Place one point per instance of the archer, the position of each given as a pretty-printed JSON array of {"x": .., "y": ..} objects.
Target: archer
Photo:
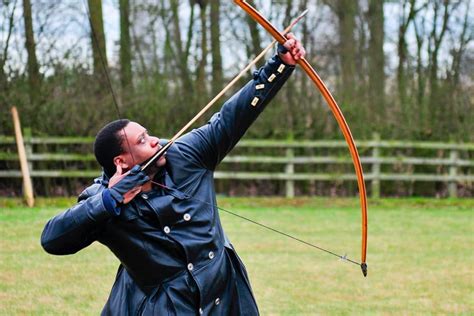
[{"x": 163, "y": 225}]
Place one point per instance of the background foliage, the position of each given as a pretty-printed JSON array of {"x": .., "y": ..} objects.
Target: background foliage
[{"x": 402, "y": 68}]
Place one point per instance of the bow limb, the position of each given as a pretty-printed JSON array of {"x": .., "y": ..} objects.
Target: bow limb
[{"x": 257, "y": 16}]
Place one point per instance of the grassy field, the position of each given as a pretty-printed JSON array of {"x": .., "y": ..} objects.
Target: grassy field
[{"x": 420, "y": 257}]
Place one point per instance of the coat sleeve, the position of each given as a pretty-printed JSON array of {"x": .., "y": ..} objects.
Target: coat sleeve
[
  {"x": 77, "y": 227},
  {"x": 208, "y": 145}
]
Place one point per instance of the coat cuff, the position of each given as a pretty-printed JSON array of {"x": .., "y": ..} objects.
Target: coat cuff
[
  {"x": 275, "y": 66},
  {"x": 95, "y": 210},
  {"x": 109, "y": 203},
  {"x": 269, "y": 79}
]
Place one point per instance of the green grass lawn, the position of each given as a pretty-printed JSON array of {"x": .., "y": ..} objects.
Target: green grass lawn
[{"x": 420, "y": 257}]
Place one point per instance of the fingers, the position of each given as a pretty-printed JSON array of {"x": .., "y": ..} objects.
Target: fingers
[
  {"x": 290, "y": 43},
  {"x": 294, "y": 47},
  {"x": 298, "y": 53},
  {"x": 118, "y": 170},
  {"x": 128, "y": 196},
  {"x": 116, "y": 177},
  {"x": 119, "y": 174},
  {"x": 136, "y": 190}
]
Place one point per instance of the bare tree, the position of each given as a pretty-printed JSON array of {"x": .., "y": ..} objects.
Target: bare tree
[
  {"x": 125, "y": 47},
  {"x": 9, "y": 17},
  {"x": 346, "y": 11},
  {"x": 420, "y": 69},
  {"x": 376, "y": 60},
  {"x": 465, "y": 37},
  {"x": 405, "y": 20},
  {"x": 202, "y": 63},
  {"x": 217, "y": 71},
  {"x": 436, "y": 38},
  {"x": 97, "y": 37},
  {"x": 34, "y": 78},
  {"x": 182, "y": 53},
  {"x": 256, "y": 47}
]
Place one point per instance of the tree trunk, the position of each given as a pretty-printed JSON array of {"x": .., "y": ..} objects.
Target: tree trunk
[
  {"x": 288, "y": 13},
  {"x": 376, "y": 61},
  {"x": 464, "y": 38},
  {"x": 437, "y": 40},
  {"x": 97, "y": 37},
  {"x": 217, "y": 72},
  {"x": 201, "y": 70},
  {"x": 421, "y": 77},
  {"x": 402, "y": 78},
  {"x": 182, "y": 54},
  {"x": 34, "y": 78},
  {"x": 256, "y": 48},
  {"x": 125, "y": 48},
  {"x": 346, "y": 11},
  {"x": 441, "y": 113},
  {"x": 4, "y": 57}
]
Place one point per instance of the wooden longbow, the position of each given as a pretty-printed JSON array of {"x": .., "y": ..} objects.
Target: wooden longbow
[{"x": 309, "y": 70}]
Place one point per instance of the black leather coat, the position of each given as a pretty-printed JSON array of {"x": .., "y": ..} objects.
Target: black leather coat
[{"x": 175, "y": 258}]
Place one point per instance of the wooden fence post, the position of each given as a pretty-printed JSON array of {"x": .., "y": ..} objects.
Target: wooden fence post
[
  {"x": 28, "y": 146},
  {"x": 453, "y": 170},
  {"x": 27, "y": 183},
  {"x": 376, "y": 167},
  {"x": 290, "y": 170}
]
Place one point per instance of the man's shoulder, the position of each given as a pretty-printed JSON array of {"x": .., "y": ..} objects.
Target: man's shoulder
[{"x": 100, "y": 183}]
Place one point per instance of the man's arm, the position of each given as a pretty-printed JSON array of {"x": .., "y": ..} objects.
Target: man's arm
[
  {"x": 77, "y": 227},
  {"x": 80, "y": 225},
  {"x": 208, "y": 145}
]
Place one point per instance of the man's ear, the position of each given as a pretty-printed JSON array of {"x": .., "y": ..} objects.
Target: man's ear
[{"x": 120, "y": 161}]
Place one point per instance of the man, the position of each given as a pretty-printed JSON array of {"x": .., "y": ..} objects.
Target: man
[{"x": 164, "y": 227}]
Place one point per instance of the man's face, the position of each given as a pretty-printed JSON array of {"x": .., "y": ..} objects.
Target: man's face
[{"x": 138, "y": 146}]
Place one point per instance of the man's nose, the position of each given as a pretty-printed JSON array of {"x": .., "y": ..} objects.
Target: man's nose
[{"x": 155, "y": 141}]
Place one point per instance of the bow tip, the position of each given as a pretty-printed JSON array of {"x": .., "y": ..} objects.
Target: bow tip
[{"x": 363, "y": 266}]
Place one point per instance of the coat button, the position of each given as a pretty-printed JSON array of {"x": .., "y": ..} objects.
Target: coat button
[
  {"x": 211, "y": 255},
  {"x": 190, "y": 266},
  {"x": 281, "y": 68},
  {"x": 166, "y": 229},
  {"x": 145, "y": 196},
  {"x": 217, "y": 301},
  {"x": 187, "y": 217},
  {"x": 255, "y": 101}
]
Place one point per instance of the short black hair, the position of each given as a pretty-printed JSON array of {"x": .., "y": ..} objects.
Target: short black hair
[{"x": 108, "y": 145}]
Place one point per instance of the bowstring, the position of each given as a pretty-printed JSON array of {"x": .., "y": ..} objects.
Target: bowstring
[{"x": 343, "y": 258}]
